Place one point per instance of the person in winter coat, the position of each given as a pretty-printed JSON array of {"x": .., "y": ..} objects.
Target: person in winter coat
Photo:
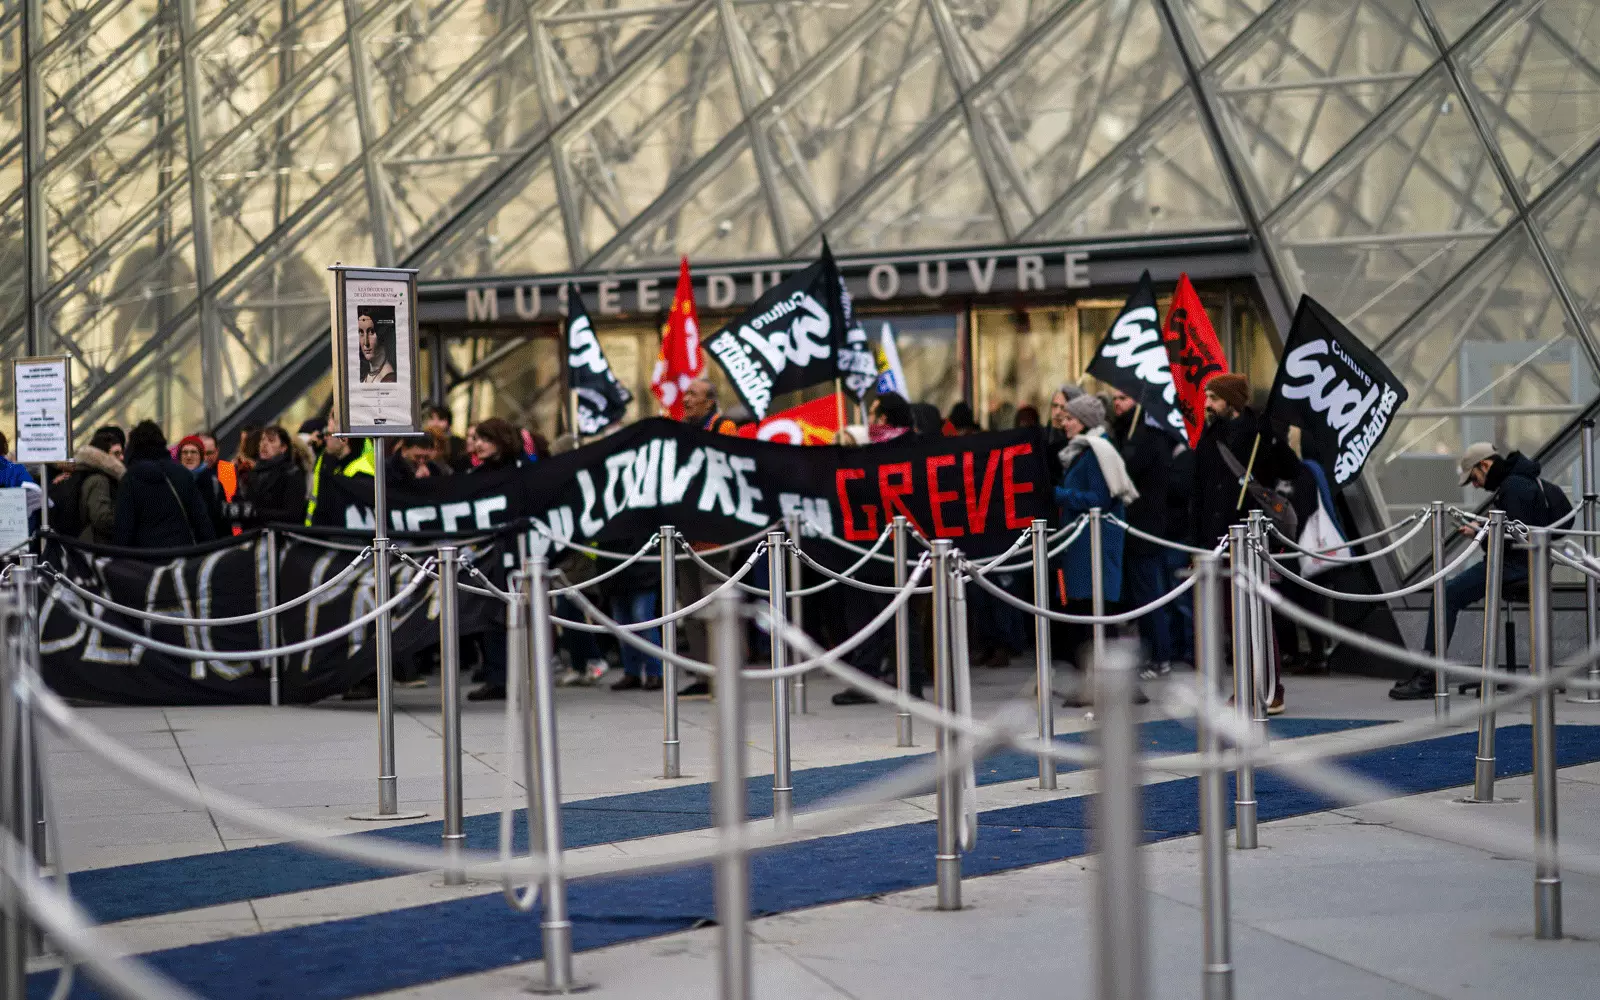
[
  {"x": 158, "y": 504},
  {"x": 496, "y": 445},
  {"x": 1147, "y": 452},
  {"x": 97, "y": 475},
  {"x": 275, "y": 487},
  {"x": 1093, "y": 476},
  {"x": 1518, "y": 490},
  {"x": 192, "y": 456}
]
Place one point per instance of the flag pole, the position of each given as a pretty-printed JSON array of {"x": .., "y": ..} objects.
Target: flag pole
[
  {"x": 1244, "y": 482},
  {"x": 838, "y": 395},
  {"x": 1138, "y": 414}
]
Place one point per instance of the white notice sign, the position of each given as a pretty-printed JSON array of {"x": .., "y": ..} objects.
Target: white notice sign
[
  {"x": 13, "y": 518},
  {"x": 44, "y": 410}
]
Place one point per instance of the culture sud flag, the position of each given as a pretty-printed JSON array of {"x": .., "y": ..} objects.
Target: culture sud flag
[
  {"x": 1133, "y": 358},
  {"x": 601, "y": 399},
  {"x": 789, "y": 339},
  {"x": 816, "y": 422},
  {"x": 680, "y": 361},
  {"x": 1332, "y": 387},
  {"x": 1193, "y": 353}
]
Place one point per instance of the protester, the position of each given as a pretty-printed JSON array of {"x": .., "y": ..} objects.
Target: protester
[
  {"x": 311, "y": 434},
  {"x": 413, "y": 460},
  {"x": 1093, "y": 476},
  {"x": 1218, "y": 499},
  {"x": 341, "y": 456},
  {"x": 83, "y": 502},
  {"x": 450, "y": 450},
  {"x": 700, "y": 408},
  {"x": 1516, "y": 487},
  {"x": 925, "y": 420},
  {"x": 158, "y": 504},
  {"x": 275, "y": 487},
  {"x": 1027, "y": 416},
  {"x": 497, "y": 445},
  {"x": 1146, "y": 450},
  {"x": 890, "y": 418},
  {"x": 960, "y": 422},
  {"x": 634, "y": 597},
  {"x": 1180, "y": 483},
  {"x": 191, "y": 455}
]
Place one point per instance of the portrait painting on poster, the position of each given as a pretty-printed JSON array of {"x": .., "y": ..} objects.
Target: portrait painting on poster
[
  {"x": 375, "y": 350},
  {"x": 43, "y": 388}
]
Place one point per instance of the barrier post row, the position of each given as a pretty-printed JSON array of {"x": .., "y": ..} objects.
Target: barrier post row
[
  {"x": 947, "y": 860},
  {"x": 14, "y": 932},
  {"x": 732, "y": 867},
  {"x": 1483, "y": 771},
  {"x": 32, "y": 835},
  {"x": 272, "y": 619},
  {"x": 794, "y": 524},
  {"x": 1546, "y": 860},
  {"x": 670, "y": 745},
  {"x": 1441, "y": 680},
  {"x": 777, "y": 603},
  {"x": 1216, "y": 976},
  {"x": 902, "y": 635},
  {"x": 1260, "y": 625},
  {"x": 555, "y": 928},
  {"x": 450, "y": 711},
  {"x": 1097, "y": 581},
  {"x": 1120, "y": 925},
  {"x": 1591, "y": 595},
  {"x": 1244, "y": 776},
  {"x": 1043, "y": 676}
]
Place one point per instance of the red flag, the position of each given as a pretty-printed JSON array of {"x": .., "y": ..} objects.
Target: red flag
[
  {"x": 815, "y": 422},
  {"x": 1194, "y": 354},
  {"x": 680, "y": 361}
]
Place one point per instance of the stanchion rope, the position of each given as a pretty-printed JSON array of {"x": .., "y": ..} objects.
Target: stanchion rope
[{"x": 1423, "y": 584}]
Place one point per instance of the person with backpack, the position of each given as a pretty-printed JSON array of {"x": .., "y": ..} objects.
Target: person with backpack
[
  {"x": 158, "y": 504},
  {"x": 1516, "y": 487},
  {"x": 84, "y": 503}
]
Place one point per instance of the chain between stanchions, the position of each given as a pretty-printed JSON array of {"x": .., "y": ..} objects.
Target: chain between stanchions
[
  {"x": 1428, "y": 581},
  {"x": 725, "y": 578},
  {"x": 1165, "y": 543},
  {"x": 105, "y": 602},
  {"x": 655, "y": 539},
  {"x": 682, "y": 612},
  {"x": 1331, "y": 556},
  {"x": 875, "y": 588},
  {"x": 1061, "y": 616},
  {"x": 817, "y": 588}
]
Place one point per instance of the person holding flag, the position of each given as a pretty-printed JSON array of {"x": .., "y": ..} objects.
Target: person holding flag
[{"x": 681, "y": 360}]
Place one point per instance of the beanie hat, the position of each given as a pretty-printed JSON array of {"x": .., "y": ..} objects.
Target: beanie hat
[
  {"x": 1230, "y": 387},
  {"x": 193, "y": 439},
  {"x": 1088, "y": 410}
]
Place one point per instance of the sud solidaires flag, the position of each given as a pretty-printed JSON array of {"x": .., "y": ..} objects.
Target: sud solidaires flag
[
  {"x": 1194, "y": 354},
  {"x": 680, "y": 361},
  {"x": 788, "y": 339},
  {"x": 816, "y": 422},
  {"x": 1133, "y": 358},
  {"x": 1335, "y": 390},
  {"x": 602, "y": 400}
]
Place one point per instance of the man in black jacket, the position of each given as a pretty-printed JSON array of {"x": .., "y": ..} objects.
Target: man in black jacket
[
  {"x": 1518, "y": 490},
  {"x": 1147, "y": 452}
]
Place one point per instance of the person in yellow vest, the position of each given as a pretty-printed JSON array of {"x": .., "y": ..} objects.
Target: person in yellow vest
[{"x": 340, "y": 457}]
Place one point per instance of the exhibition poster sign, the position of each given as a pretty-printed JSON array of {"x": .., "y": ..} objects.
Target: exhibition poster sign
[
  {"x": 375, "y": 350},
  {"x": 44, "y": 409}
]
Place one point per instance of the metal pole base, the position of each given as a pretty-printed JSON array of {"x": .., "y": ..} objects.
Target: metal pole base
[
  {"x": 902, "y": 731},
  {"x": 1547, "y": 909},
  {"x": 1217, "y": 983},
  {"x": 558, "y": 979},
  {"x": 1244, "y": 818},
  {"x": 1591, "y": 698},
  {"x": 783, "y": 807},
  {"x": 1441, "y": 702},
  {"x": 670, "y": 766},
  {"x": 383, "y": 817},
  {"x": 947, "y": 868},
  {"x": 1047, "y": 775},
  {"x": 1483, "y": 779}
]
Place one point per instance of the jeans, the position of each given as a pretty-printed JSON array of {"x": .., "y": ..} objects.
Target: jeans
[
  {"x": 1465, "y": 589},
  {"x": 639, "y": 606},
  {"x": 994, "y": 623},
  {"x": 1180, "y": 617},
  {"x": 1146, "y": 577}
]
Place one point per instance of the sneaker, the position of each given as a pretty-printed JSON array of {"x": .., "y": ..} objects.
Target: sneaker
[
  {"x": 1276, "y": 705},
  {"x": 699, "y": 689},
  {"x": 489, "y": 692},
  {"x": 570, "y": 678},
  {"x": 652, "y": 684},
  {"x": 1417, "y": 687},
  {"x": 850, "y": 696},
  {"x": 629, "y": 682},
  {"x": 1155, "y": 671},
  {"x": 594, "y": 671}
]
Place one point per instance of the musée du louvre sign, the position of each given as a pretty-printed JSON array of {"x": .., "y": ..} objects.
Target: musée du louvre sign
[{"x": 1006, "y": 272}]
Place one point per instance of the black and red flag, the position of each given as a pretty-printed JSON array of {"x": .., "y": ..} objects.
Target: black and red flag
[{"x": 1194, "y": 354}]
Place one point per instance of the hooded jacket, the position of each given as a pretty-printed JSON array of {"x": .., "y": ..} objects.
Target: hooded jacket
[
  {"x": 97, "y": 493},
  {"x": 277, "y": 488},
  {"x": 159, "y": 507},
  {"x": 1214, "y": 503},
  {"x": 1522, "y": 494}
]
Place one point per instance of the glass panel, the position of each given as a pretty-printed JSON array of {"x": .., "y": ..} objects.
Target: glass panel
[
  {"x": 937, "y": 199},
  {"x": 1021, "y": 357},
  {"x": 1571, "y": 223},
  {"x": 1539, "y": 87},
  {"x": 1218, "y": 22},
  {"x": 1455, "y": 17},
  {"x": 1402, "y": 212},
  {"x": 1310, "y": 80},
  {"x": 989, "y": 29},
  {"x": 725, "y": 219},
  {"x": 1492, "y": 360},
  {"x": 522, "y": 234},
  {"x": 930, "y": 355}
]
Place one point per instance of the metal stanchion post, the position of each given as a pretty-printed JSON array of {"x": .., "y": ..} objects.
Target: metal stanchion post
[
  {"x": 1120, "y": 926},
  {"x": 1097, "y": 581},
  {"x": 777, "y": 602},
  {"x": 670, "y": 745},
  {"x": 1546, "y": 859},
  {"x": 947, "y": 862},
  {"x": 1217, "y": 971},
  {"x": 32, "y": 835},
  {"x": 794, "y": 524},
  {"x": 1041, "y": 650},
  {"x": 272, "y": 619},
  {"x": 1441, "y": 680},
  {"x": 555, "y": 927},
  {"x": 1483, "y": 773},
  {"x": 1244, "y": 776},
  {"x": 1260, "y": 624},
  {"x": 14, "y": 932},
  {"x": 388, "y": 781},
  {"x": 1591, "y": 596},
  {"x": 902, "y": 635},
  {"x": 450, "y": 711},
  {"x": 732, "y": 867}
]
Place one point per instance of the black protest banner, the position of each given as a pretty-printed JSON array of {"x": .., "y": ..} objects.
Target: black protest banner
[
  {"x": 1133, "y": 358},
  {"x": 789, "y": 339},
  {"x": 601, "y": 399},
  {"x": 977, "y": 490},
  {"x": 225, "y": 580},
  {"x": 1335, "y": 390}
]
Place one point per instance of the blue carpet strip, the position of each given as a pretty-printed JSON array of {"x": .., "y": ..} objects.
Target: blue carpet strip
[
  {"x": 195, "y": 881},
  {"x": 402, "y": 948}
]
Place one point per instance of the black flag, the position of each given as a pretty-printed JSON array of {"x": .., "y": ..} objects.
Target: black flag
[
  {"x": 858, "y": 365},
  {"x": 602, "y": 400},
  {"x": 1335, "y": 390},
  {"x": 789, "y": 339},
  {"x": 1133, "y": 358}
]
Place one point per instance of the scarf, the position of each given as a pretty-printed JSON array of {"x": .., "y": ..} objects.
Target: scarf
[{"x": 1111, "y": 464}]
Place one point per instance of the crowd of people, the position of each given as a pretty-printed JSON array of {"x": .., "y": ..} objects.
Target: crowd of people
[{"x": 135, "y": 490}]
